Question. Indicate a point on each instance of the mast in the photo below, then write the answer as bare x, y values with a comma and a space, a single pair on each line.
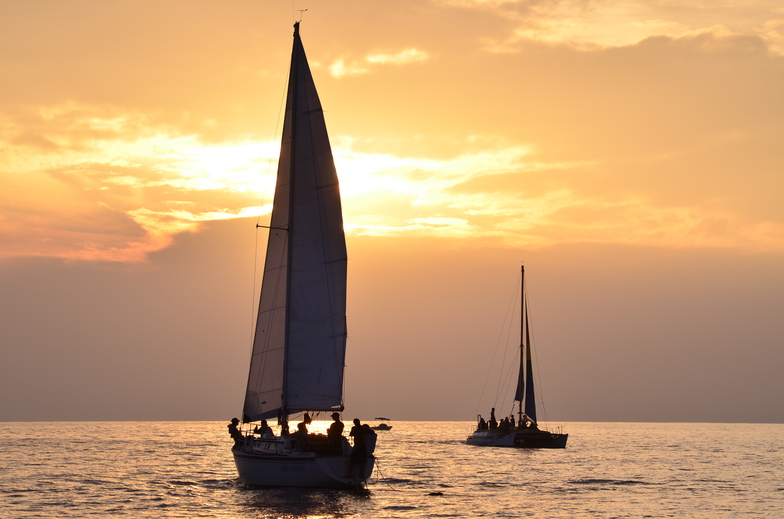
284, 413
522, 319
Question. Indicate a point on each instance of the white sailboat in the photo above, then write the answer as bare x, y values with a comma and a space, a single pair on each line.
525, 432
300, 338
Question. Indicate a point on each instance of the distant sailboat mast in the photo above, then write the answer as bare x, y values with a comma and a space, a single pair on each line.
525, 381
520, 375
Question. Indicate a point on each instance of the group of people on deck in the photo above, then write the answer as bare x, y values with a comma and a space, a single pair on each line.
507, 424
363, 435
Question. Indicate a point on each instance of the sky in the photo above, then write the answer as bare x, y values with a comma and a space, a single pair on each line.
627, 152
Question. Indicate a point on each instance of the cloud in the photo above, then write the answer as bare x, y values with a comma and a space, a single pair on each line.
401, 58
115, 200
668, 141
588, 24
340, 68
114, 188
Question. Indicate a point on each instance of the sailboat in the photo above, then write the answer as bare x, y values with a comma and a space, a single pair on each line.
299, 345
526, 432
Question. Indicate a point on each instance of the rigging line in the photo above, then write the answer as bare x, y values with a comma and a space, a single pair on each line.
511, 311
383, 477
253, 289
540, 389
254, 310
281, 106
512, 371
492, 360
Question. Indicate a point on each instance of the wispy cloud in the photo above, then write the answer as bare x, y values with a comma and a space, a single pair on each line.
115, 199
105, 191
341, 68
608, 23
401, 58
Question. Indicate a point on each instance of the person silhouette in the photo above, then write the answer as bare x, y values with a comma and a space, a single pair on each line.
264, 430
301, 437
359, 452
335, 433
234, 432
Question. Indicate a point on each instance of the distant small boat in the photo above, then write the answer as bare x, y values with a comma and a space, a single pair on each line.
526, 433
381, 426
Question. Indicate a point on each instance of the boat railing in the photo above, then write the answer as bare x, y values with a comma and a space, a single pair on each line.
265, 445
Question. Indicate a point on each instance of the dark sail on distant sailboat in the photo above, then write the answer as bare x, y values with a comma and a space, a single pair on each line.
525, 381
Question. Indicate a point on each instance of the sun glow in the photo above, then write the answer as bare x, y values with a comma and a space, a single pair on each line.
531, 158
168, 184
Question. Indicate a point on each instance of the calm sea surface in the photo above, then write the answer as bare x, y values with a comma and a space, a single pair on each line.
185, 469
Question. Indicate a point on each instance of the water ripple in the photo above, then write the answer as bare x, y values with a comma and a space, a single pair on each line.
425, 470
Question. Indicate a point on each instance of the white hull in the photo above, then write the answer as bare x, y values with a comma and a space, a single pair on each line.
491, 439
259, 464
521, 439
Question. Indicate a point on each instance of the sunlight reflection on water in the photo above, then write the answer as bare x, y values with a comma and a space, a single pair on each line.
185, 469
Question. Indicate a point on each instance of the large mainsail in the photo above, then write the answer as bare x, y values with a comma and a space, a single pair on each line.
300, 341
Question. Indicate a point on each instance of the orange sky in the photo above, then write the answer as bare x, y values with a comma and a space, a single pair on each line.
628, 152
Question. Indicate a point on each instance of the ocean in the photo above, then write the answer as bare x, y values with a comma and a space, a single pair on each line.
425, 470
